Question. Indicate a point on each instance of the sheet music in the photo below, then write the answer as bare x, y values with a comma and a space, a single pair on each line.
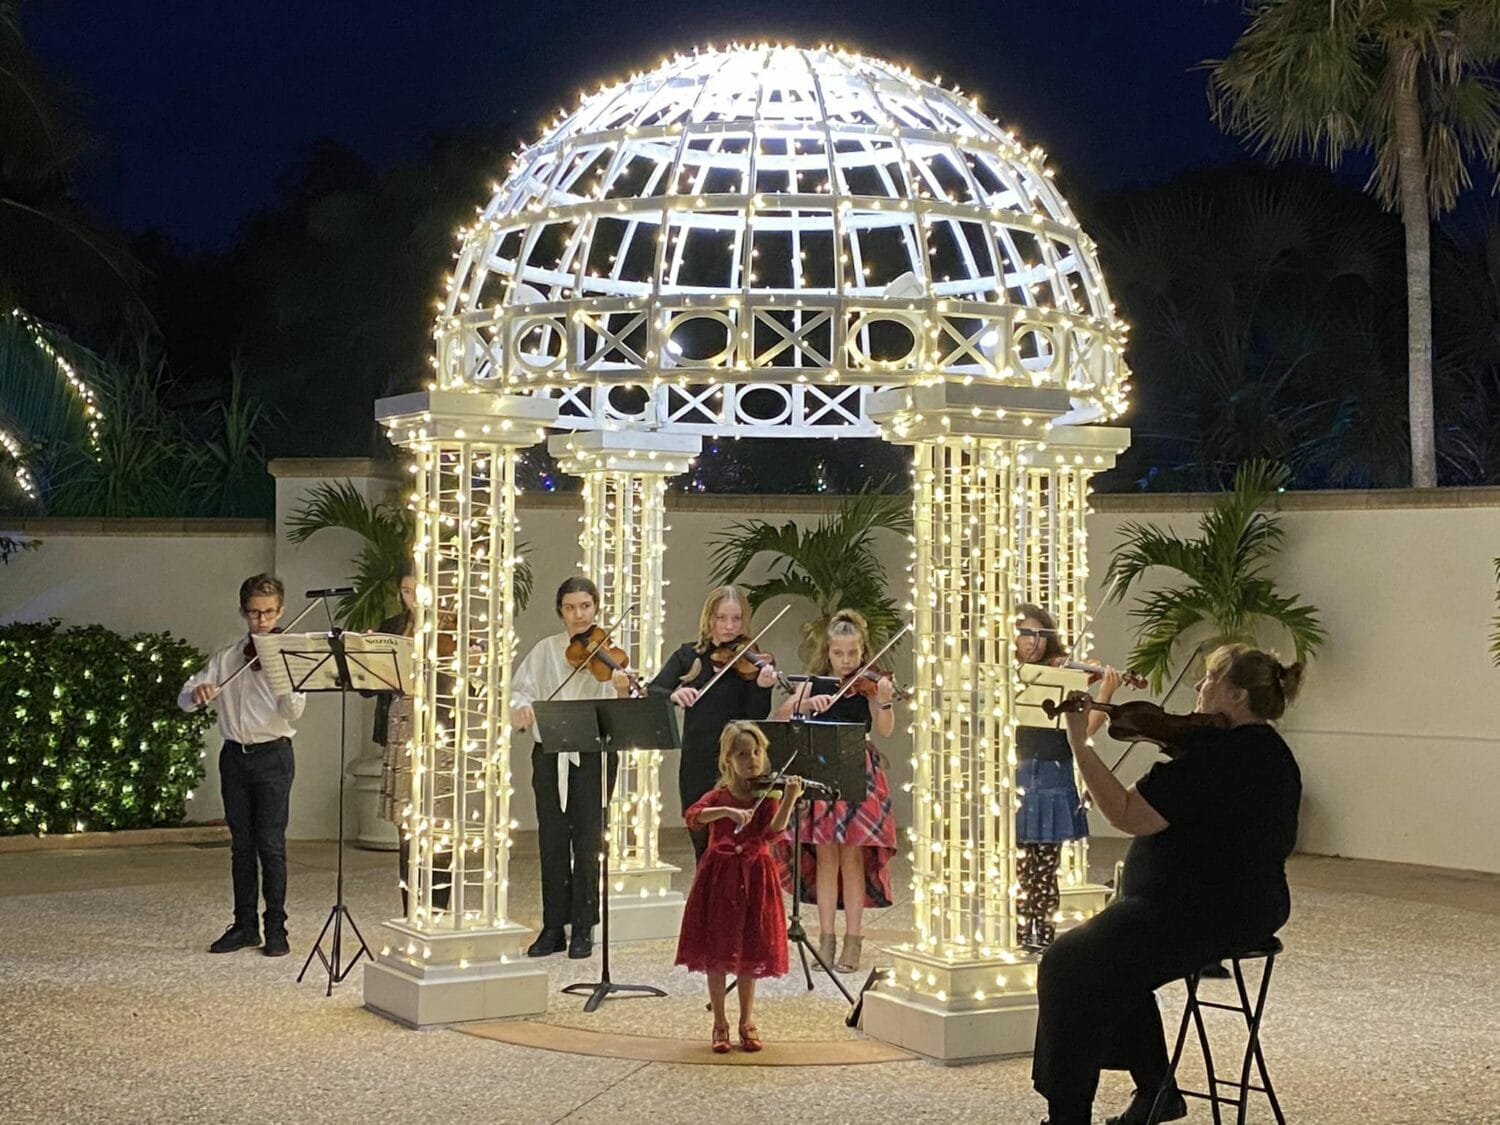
305, 662
1036, 682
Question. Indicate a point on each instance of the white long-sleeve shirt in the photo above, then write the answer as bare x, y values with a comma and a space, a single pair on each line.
248, 711
537, 677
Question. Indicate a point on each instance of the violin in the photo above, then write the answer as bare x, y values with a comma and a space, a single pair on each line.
592, 647
1096, 672
867, 684
1140, 720
750, 662
769, 785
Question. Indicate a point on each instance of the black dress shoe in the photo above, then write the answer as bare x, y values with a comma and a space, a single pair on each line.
236, 937
582, 944
276, 944
1173, 1108
552, 939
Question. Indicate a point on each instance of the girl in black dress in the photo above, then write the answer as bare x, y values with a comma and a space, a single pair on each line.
725, 620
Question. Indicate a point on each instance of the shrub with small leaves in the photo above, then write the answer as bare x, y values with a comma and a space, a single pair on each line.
91, 737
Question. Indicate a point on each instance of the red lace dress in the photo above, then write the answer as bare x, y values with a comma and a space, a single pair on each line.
733, 921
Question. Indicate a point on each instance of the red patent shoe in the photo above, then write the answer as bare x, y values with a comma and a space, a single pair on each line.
721, 1039
750, 1037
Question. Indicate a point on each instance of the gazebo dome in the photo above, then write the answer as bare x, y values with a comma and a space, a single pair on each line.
749, 241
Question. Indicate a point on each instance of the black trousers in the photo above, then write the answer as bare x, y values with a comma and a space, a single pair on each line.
570, 839
1097, 1005
256, 784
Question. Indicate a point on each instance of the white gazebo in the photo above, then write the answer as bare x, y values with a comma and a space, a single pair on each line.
775, 242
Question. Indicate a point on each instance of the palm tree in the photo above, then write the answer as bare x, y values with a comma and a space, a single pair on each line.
1226, 593
388, 530
1405, 79
1265, 304
52, 259
833, 565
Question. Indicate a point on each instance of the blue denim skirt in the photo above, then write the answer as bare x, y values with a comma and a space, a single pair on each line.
1050, 809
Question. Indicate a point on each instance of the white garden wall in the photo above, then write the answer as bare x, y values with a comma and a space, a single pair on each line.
1397, 745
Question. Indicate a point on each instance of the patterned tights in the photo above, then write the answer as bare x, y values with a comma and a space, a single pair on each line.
1036, 870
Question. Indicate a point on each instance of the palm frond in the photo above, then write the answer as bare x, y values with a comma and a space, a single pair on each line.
1142, 547
1165, 617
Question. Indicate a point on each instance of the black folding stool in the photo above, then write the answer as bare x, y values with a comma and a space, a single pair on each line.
1192, 1010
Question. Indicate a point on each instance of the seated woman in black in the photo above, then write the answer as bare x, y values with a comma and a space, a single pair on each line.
1204, 877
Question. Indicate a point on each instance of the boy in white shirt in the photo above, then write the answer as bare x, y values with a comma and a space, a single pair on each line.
255, 768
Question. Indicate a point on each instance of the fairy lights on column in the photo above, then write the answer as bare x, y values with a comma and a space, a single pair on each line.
623, 540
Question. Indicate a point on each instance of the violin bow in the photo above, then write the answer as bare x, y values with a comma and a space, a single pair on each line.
746, 647
775, 779
306, 610
597, 646
868, 664
1191, 661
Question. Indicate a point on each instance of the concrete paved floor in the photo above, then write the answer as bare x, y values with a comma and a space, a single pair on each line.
1386, 1008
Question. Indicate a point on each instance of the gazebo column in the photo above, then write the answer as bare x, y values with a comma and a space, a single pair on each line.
960, 989
623, 541
466, 961
1052, 537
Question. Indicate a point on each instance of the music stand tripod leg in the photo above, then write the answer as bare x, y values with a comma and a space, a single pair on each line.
603, 988
339, 911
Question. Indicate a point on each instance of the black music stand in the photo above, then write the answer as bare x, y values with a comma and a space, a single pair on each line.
598, 727
832, 754
341, 662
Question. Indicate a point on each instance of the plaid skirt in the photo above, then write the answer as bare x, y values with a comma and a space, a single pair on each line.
868, 825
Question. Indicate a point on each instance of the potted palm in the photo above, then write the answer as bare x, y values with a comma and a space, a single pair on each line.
832, 565
388, 531
1223, 595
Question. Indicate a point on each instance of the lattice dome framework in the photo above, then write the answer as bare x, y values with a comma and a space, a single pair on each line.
752, 241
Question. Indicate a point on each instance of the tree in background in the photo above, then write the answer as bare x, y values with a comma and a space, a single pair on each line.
1223, 595
1408, 80
1265, 322
833, 565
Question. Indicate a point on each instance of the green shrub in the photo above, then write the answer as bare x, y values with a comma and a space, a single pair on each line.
91, 736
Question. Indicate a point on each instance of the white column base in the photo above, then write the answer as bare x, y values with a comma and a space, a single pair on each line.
426, 980
643, 906
969, 1010
1003, 1027
1080, 903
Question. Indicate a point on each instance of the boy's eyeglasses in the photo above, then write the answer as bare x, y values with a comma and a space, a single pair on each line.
260, 614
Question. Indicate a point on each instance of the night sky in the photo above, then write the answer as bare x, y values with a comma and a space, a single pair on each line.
198, 107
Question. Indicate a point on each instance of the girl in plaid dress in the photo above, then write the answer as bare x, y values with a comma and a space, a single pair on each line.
846, 846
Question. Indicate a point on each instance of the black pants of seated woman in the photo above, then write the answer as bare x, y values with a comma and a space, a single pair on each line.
1096, 1004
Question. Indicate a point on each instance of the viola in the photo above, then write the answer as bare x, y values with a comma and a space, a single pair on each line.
1140, 720
1096, 672
592, 647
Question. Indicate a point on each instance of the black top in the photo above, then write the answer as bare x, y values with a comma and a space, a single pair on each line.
850, 709
729, 699
1042, 744
1230, 803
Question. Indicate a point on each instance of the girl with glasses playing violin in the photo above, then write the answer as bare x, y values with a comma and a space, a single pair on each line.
847, 848
1051, 811
568, 801
742, 693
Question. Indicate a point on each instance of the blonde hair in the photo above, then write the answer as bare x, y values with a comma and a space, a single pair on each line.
717, 596
844, 623
740, 730
1269, 685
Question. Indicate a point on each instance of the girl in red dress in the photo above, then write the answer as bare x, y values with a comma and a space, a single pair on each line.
846, 846
733, 920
